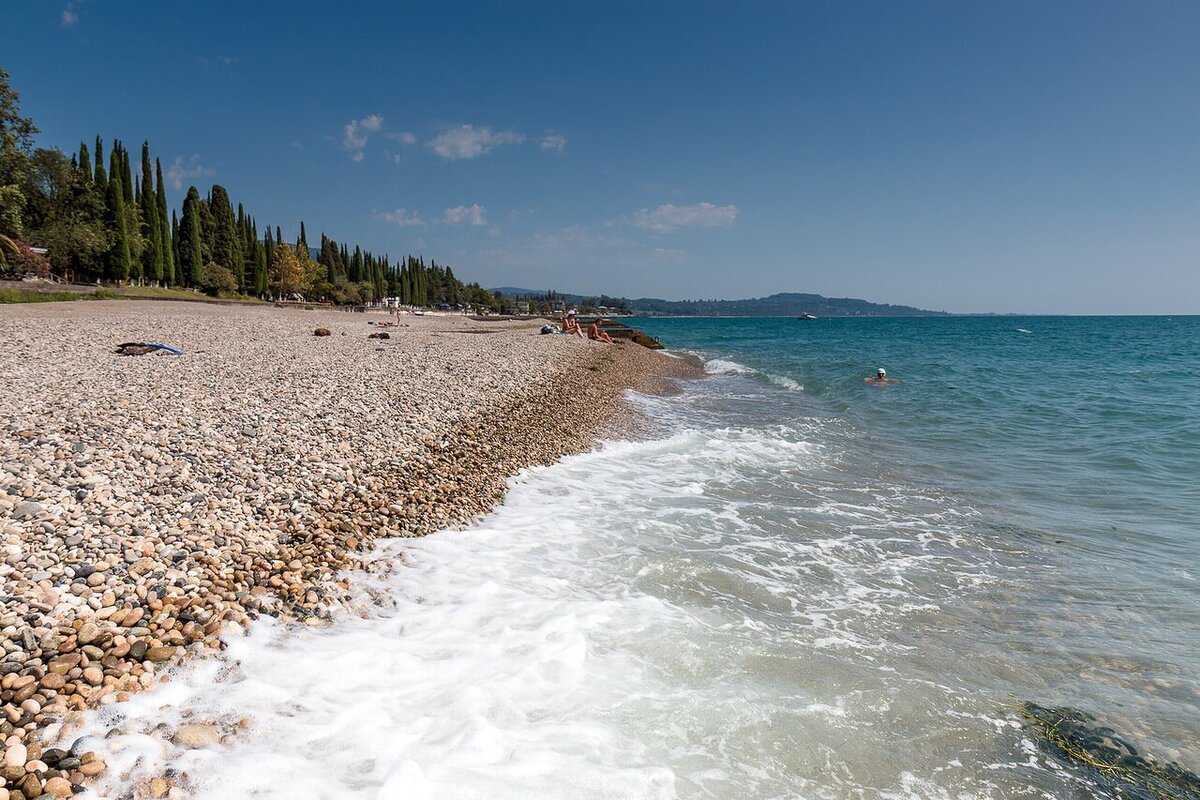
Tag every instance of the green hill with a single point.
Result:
(784, 304)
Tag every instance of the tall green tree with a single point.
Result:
(99, 174)
(166, 249)
(130, 234)
(126, 171)
(191, 251)
(85, 162)
(180, 278)
(226, 245)
(16, 134)
(119, 262)
(65, 213)
(152, 262)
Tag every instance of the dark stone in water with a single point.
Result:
(53, 756)
(1074, 739)
(82, 745)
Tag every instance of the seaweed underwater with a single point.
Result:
(1074, 739)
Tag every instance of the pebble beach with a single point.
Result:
(149, 502)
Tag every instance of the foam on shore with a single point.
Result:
(148, 502)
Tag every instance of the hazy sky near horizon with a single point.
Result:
(1038, 157)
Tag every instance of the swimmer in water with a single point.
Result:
(880, 377)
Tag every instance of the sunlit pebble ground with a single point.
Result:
(146, 500)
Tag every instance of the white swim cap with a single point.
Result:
(882, 371)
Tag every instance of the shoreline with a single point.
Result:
(148, 501)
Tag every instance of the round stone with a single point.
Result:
(16, 755)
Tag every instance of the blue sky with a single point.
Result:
(1035, 157)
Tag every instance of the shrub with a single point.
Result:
(22, 261)
(216, 280)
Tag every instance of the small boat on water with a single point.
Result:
(806, 317)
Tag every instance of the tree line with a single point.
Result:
(107, 220)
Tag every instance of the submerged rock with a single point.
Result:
(1074, 739)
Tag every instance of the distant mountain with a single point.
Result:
(573, 299)
(784, 304)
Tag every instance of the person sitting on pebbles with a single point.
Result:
(597, 335)
(571, 324)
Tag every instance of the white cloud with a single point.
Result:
(473, 214)
(669, 217)
(404, 137)
(668, 255)
(554, 142)
(354, 139)
(182, 169)
(401, 217)
(70, 13)
(467, 141)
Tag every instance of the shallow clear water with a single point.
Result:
(807, 587)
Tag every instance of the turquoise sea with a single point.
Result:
(799, 586)
(1062, 453)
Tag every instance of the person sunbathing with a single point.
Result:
(595, 334)
(571, 325)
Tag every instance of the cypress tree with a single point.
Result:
(152, 263)
(85, 162)
(260, 268)
(191, 252)
(165, 243)
(268, 252)
(180, 277)
(123, 263)
(226, 245)
(303, 240)
(101, 177)
(119, 261)
(126, 172)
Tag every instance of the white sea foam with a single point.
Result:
(717, 366)
(708, 615)
(785, 382)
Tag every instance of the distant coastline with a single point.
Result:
(781, 304)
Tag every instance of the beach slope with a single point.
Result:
(146, 501)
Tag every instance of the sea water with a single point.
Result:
(804, 586)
